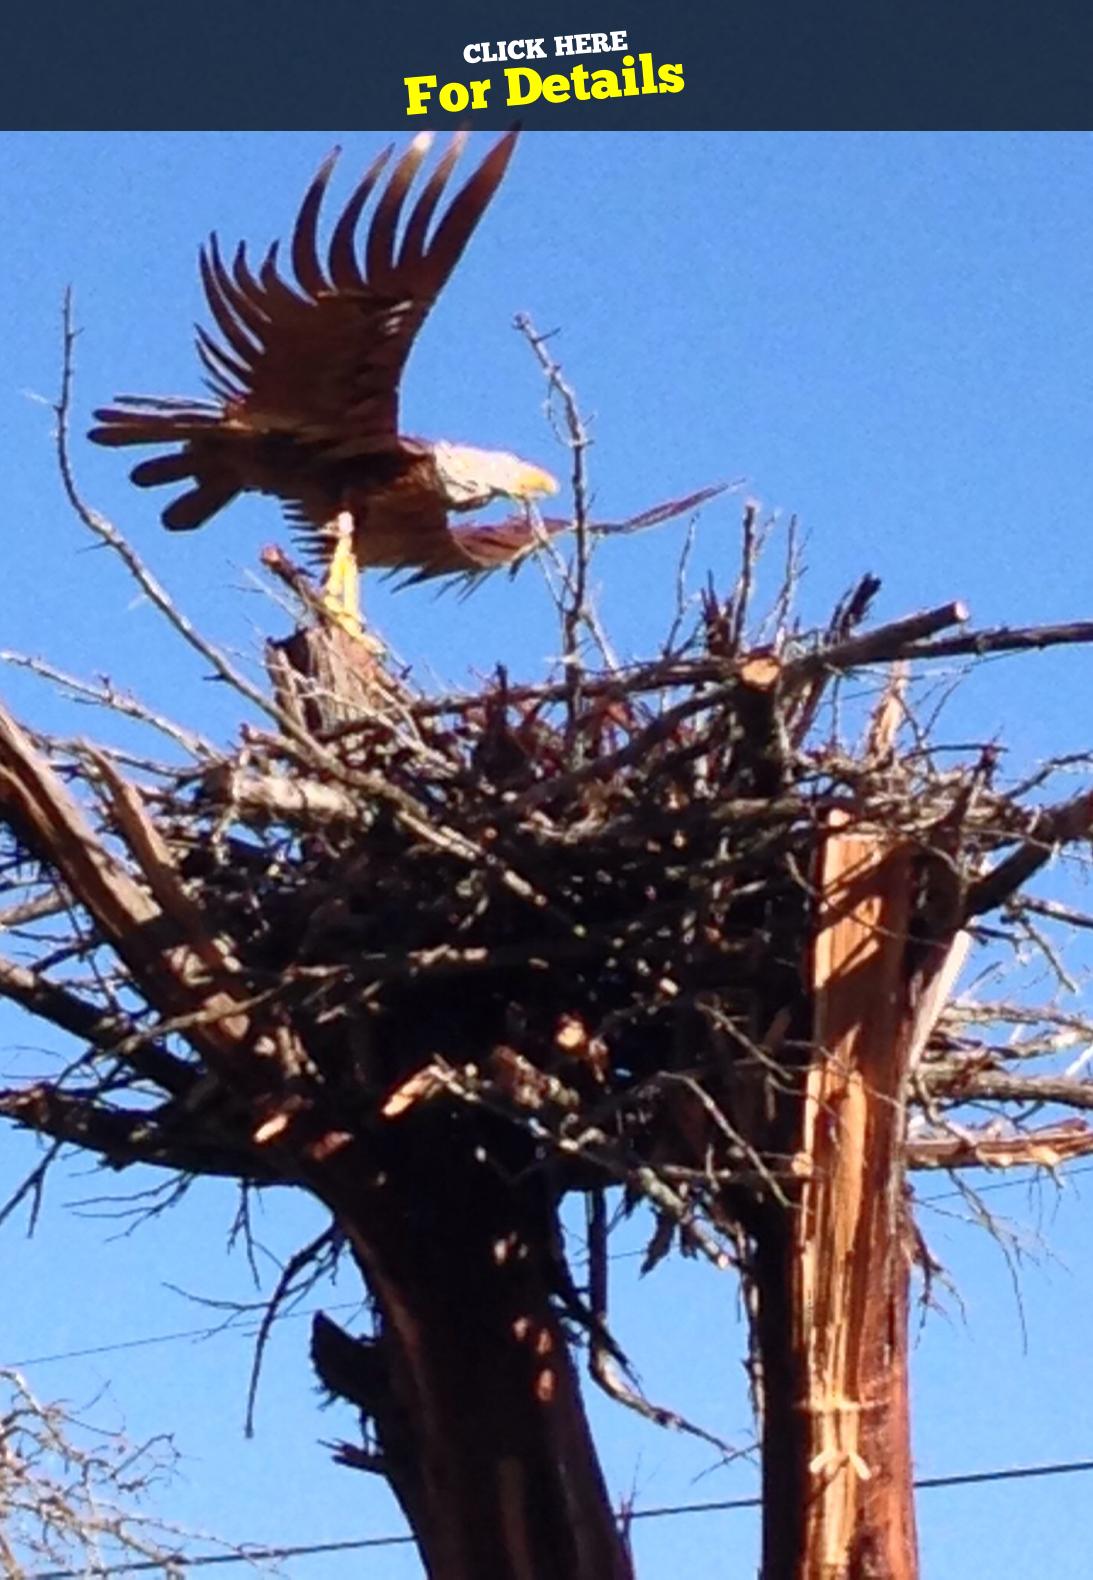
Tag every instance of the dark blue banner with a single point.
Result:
(755, 64)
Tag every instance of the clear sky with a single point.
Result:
(891, 336)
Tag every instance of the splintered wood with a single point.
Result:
(323, 676)
(849, 1252)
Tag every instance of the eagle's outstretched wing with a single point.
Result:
(330, 357)
(315, 363)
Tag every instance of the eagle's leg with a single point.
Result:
(342, 593)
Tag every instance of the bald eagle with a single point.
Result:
(305, 379)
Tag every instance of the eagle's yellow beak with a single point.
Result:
(532, 481)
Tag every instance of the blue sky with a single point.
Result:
(890, 336)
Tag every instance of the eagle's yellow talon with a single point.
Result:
(341, 594)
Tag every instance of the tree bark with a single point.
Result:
(478, 1410)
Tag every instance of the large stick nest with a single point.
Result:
(582, 907)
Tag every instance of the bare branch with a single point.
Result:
(122, 1137)
(882, 645)
(576, 611)
(1071, 820)
(1047, 1147)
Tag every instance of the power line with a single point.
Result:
(246, 1555)
(1010, 1184)
(1066, 1467)
(211, 1332)
(346, 1305)
(922, 1484)
(660, 1512)
(120, 1345)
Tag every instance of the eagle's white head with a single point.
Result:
(473, 478)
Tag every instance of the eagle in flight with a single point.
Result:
(306, 379)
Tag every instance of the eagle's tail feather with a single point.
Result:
(193, 425)
(194, 508)
(169, 468)
(132, 425)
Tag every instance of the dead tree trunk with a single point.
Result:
(477, 1409)
(833, 1275)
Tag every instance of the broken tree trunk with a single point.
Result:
(832, 1276)
(476, 1405)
